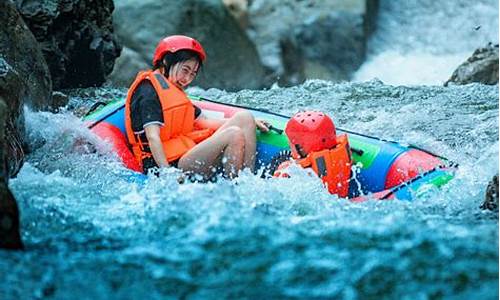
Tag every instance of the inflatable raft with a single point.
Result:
(384, 169)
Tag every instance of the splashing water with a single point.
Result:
(91, 233)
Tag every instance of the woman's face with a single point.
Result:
(183, 73)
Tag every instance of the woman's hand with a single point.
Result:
(262, 125)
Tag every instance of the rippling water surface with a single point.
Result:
(91, 233)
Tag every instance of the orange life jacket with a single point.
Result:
(333, 166)
(178, 134)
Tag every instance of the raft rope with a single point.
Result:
(448, 163)
(278, 130)
(419, 176)
(94, 107)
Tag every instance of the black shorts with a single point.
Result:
(149, 163)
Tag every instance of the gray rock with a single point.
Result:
(334, 45)
(326, 39)
(24, 80)
(491, 196)
(126, 67)
(24, 75)
(239, 10)
(232, 60)
(481, 67)
(76, 37)
(13, 92)
(59, 100)
(10, 237)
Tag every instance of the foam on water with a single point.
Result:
(397, 68)
(93, 230)
(92, 233)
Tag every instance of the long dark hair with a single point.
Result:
(171, 59)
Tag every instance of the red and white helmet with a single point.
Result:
(175, 43)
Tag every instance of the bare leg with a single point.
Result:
(234, 143)
(226, 145)
(246, 122)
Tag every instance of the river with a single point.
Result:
(92, 234)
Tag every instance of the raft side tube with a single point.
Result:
(408, 165)
(376, 161)
(111, 134)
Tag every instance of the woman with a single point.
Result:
(165, 129)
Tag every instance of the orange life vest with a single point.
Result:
(333, 166)
(178, 134)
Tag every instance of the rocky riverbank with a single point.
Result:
(44, 46)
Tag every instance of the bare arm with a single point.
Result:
(153, 135)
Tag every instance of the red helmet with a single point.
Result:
(310, 131)
(175, 43)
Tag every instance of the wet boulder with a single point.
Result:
(59, 100)
(127, 66)
(481, 67)
(334, 45)
(491, 197)
(239, 10)
(24, 80)
(328, 40)
(10, 237)
(76, 37)
(232, 60)
(13, 92)
(24, 75)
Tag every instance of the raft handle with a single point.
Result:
(275, 129)
(94, 107)
(357, 151)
